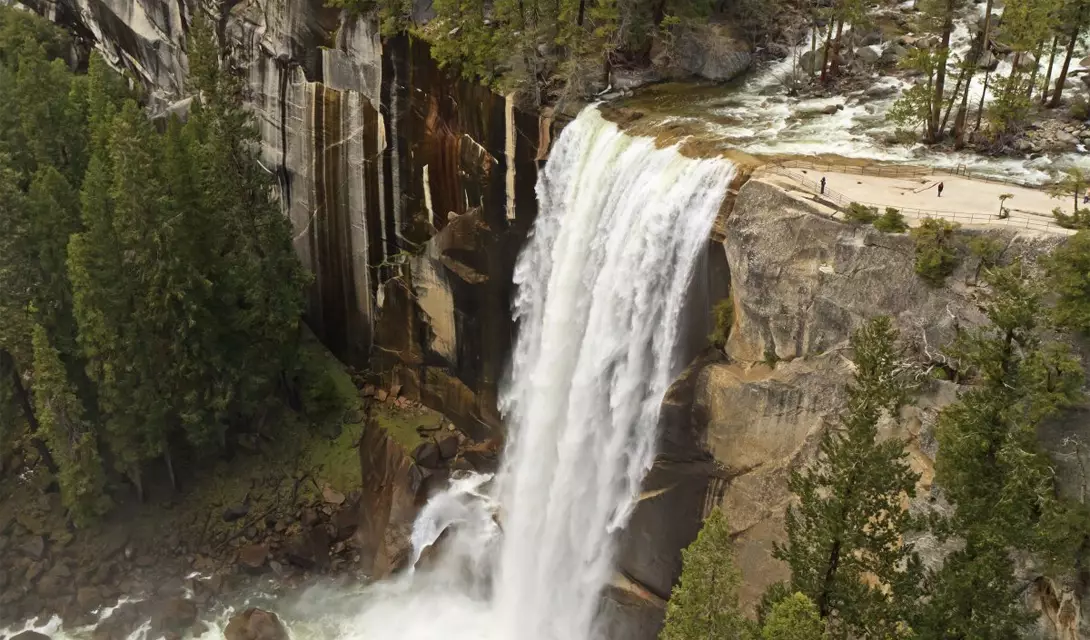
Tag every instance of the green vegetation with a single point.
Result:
(1028, 29)
(849, 521)
(723, 311)
(1067, 268)
(704, 602)
(860, 213)
(992, 468)
(1070, 183)
(936, 249)
(794, 618)
(150, 298)
(891, 222)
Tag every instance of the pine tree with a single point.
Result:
(993, 469)
(258, 279)
(70, 436)
(794, 618)
(849, 522)
(704, 603)
(1067, 269)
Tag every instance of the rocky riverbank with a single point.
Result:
(335, 502)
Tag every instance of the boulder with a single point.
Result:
(1027, 62)
(345, 521)
(253, 557)
(810, 61)
(332, 496)
(88, 598)
(881, 91)
(427, 455)
(175, 616)
(628, 79)
(870, 54)
(255, 624)
(30, 635)
(236, 512)
(448, 446)
(33, 547)
(712, 53)
(310, 551)
(893, 54)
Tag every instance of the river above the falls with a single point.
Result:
(759, 115)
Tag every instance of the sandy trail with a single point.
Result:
(964, 200)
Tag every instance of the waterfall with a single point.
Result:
(601, 285)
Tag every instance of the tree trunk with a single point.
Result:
(834, 65)
(1062, 78)
(170, 467)
(23, 396)
(980, 108)
(963, 108)
(954, 97)
(813, 47)
(825, 54)
(582, 10)
(940, 78)
(1048, 73)
(1036, 67)
(824, 607)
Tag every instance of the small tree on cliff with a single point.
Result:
(794, 618)
(849, 521)
(704, 603)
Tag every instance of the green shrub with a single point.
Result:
(987, 249)
(860, 213)
(1078, 220)
(891, 222)
(936, 249)
(724, 318)
(771, 358)
(1079, 109)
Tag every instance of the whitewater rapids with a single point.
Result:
(601, 284)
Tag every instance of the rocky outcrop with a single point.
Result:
(255, 624)
(712, 53)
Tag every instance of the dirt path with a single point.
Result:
(964, 200)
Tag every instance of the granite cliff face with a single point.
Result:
(801, 283)
(376, 152)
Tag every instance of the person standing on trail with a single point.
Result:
(822, 185)
(940, 189)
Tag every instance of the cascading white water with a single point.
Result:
(601, 285)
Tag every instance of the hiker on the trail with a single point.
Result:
(1086, 198)
(940, 189)
(822, 185)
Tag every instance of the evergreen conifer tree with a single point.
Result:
(849, 523)
(704, 603)
(68, 433)
(993, 469)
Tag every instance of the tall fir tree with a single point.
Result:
(993, 469)
(704, 603)
(849, 523)
(70, 436)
